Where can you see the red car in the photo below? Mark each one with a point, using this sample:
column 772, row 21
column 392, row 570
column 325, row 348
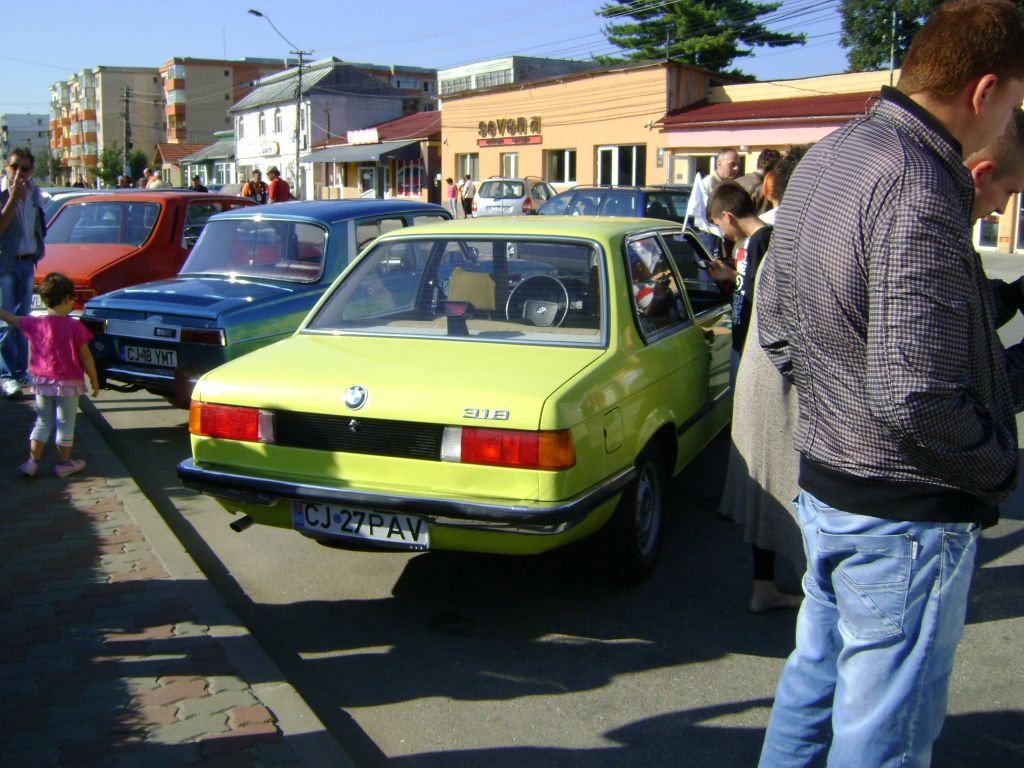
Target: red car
column 105, row 242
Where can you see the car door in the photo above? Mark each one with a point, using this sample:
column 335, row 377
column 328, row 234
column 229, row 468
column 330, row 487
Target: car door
column 682, row 356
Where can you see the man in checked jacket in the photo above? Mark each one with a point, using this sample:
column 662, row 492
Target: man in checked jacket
column 874, row 303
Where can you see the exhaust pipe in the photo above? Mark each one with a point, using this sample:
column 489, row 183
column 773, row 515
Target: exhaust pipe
column 240, row 524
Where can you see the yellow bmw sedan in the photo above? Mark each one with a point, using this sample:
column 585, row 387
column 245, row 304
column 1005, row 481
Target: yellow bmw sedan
column 500, row 385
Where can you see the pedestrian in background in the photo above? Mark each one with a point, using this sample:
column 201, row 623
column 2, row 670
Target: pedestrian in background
column 874, row 304
column 22, row 231
column 60, row 362
column 255, row 188
column 727, row 168
column 468, row 191
column 197, row 185
column 453, row 197
column 279, row 191
column 156, row 181
column 147, row 176
column 761, row 478
column 753, row 182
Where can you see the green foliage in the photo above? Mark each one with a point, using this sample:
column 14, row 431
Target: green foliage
column 867, row 30
column 109, row 165
column 708, row 34
column 138, row 161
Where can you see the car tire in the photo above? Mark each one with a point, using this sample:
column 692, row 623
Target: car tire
column 629, row 542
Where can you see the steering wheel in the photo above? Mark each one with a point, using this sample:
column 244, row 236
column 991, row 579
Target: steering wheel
column 540, row 300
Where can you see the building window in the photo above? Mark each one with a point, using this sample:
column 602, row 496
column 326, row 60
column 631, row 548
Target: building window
column 222, row 172
column 263, row 124
column 456, row 84
column 177, row 96
column 409, row 178
column 986, row 231
column 491, row 79
column 277, row 121
column 510, row 164
column 241, row 128
column 625, row 164
column 467, row 164
column 560, row 166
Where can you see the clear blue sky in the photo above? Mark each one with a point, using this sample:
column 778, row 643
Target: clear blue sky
column 47, row 41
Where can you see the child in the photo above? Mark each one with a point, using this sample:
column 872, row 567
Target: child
column 732, row 210
column 58, row 356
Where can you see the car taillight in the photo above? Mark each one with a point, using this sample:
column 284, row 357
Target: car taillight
column 231, row 421
column 524, row 449
column 213, row 336
column 473, row 207
column 94, row 324
column 527, row 206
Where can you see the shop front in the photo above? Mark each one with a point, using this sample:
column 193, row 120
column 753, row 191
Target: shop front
column 594, row 127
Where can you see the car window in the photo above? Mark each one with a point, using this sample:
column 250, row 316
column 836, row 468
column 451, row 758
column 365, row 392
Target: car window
column 196, row 216
column 263, row 248
column 113, row 222
column 656, row 295
column 539, row 193
column 370, row 229
column 557, row 205
column 703, row 292
column 618, row 203
column 666, row 205
column 532, row 291
column 585, row 202
column 502, row 189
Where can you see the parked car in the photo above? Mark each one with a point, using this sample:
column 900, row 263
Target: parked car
column 655, row 202
column 251, row 279
column 104, row 242
column 500, row 409
column 500, row 196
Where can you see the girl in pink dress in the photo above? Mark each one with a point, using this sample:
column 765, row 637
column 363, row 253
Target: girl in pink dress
column 59, row 360
column 453, row 197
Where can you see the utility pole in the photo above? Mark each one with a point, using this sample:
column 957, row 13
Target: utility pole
column 298, row 98
column 126, row 93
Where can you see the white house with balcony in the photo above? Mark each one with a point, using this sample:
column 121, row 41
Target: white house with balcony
column 336, row 98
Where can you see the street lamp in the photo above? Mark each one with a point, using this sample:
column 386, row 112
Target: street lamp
column 298, row 98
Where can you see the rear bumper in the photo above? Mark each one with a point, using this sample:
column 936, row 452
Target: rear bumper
column 545, row 518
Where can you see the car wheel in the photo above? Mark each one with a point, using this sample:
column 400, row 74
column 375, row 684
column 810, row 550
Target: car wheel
column 631, row 538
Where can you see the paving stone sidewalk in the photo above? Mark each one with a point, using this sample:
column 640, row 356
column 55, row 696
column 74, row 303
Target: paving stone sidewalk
column 114, row 649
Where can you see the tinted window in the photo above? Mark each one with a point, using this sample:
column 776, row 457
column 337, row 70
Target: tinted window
column 279, row 250
column 121, row 223
column 618, row 203
column 557, row 205
column 666, row 205
column 196, row 217
column 585, row 202
column 704, row 292
column 369, row 230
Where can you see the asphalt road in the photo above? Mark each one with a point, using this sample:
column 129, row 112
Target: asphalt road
column 440, row 659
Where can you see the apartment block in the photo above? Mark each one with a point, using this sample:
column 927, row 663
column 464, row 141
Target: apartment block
column 27, row 130
column 99, row 107
column 199, row 92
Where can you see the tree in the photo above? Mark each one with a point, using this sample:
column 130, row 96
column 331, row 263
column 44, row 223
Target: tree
column 867, row 30
column 110, row 165
column 137, row 161
column 708, row 34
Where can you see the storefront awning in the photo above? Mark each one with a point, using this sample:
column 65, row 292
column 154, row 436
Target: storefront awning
column 355, row 153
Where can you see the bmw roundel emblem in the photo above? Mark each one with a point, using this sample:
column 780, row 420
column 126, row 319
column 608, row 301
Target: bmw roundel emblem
column 355, row 397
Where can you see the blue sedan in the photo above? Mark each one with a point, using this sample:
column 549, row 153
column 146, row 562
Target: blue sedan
column 250, row 280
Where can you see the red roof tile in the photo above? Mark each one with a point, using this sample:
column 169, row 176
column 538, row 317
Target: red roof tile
column 172, row 153
column 838, row 106
column 418, row 125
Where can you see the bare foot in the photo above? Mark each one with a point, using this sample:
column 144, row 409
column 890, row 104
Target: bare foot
column 766, row 597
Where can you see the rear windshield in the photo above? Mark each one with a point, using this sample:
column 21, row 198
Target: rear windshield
column 105, row 222
column 259, row 248
column 502, row 190
column 528, row 291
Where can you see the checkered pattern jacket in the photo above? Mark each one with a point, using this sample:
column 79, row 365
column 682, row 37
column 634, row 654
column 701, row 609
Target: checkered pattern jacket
column 874, row 302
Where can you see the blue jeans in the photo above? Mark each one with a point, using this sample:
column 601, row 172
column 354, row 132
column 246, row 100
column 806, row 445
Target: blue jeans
column 884, row 609
column 16, row 297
